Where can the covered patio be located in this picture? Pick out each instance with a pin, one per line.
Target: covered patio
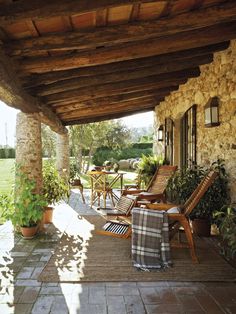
(72, 62)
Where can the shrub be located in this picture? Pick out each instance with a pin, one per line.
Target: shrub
(148, 166)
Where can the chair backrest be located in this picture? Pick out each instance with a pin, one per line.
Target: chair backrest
(198, 193)
(160, 179)
(124, 205)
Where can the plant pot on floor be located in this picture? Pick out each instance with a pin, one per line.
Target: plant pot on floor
(29, 232)
(48, 214)
(201, 227)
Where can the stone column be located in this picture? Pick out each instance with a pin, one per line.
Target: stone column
(29, 146)
(63, 155)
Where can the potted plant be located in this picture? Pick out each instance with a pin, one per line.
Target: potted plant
(185, 181)
(26, 210)
(54, 189)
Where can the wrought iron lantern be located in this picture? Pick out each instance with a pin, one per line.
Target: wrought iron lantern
(212, 112)
(160, 133)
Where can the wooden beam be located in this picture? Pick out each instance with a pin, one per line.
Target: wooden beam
(14, 96)
(157, 81)
(56, 76)
(105, 117)
(177, 42)
(113, 35)
(118, 108)
(37, 9)
(120, 76)
(72, 105)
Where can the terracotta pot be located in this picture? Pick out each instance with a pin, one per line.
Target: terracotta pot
(47, 214)
(29, 232)
(201, 227)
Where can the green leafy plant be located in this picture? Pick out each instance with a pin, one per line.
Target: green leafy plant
(148, 166)
(74, 172)
(6, 206)
(185, 181)
(226, 221)
(55, 187)
(28, 205)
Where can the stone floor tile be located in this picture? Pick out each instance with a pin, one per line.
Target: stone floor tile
(88, 309)
(80, 295)
(25, 273)
(194, 290)
(23, 308)
(59, 306)
(50, 284)
(35, 264)
(43, 305)
(190, 304)
(116, 305)
(36, 272)
(51, 290)
(121, 284)
(230, 309)
(7, 309)
(97, 295)
(134, 304)
(167, 295)
(28, 282)
(223, 295)
(165, 308)
(149, 295)
(153, 284)
(122, 290)
(29, 295)
(208, 304)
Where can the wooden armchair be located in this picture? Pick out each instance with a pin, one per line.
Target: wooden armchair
(123, 207)
(182, 219)
(156, 188)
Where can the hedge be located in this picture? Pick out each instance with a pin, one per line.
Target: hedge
(7, 153)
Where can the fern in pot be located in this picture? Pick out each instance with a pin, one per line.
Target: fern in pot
(55, 188)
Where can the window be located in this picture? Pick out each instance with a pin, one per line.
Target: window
(188, 137)
(169, 137)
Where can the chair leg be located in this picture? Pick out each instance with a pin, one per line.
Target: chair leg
(185, 224)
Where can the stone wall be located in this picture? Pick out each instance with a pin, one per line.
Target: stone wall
(29, 146)
(216, 79)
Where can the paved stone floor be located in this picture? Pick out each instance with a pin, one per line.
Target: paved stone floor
(22, 260)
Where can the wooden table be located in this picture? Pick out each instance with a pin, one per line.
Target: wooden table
(102, 183)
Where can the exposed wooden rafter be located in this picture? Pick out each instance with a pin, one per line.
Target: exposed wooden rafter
(177, 42)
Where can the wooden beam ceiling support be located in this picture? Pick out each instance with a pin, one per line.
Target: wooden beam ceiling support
(71, 84)
(113, 35)
(56, 76)
(72, 105)
(105, 117)
(177, 42)
(38, 9)
(103, 90)
(14, 96)
(149, 103)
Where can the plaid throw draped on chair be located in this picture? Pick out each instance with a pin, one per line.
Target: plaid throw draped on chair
(150, 239)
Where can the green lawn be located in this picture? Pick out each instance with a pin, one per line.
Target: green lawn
(6, 175)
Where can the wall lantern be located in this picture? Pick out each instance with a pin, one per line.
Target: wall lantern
(212, 112)
(160, 133)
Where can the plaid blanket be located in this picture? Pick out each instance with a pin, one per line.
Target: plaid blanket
(150, 239)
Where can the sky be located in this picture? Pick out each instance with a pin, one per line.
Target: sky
(8, 123)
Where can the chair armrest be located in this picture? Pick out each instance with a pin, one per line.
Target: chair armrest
(127, 192)
(150, 197)
(162, 206)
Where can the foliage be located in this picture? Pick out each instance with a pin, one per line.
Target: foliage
(6, 206)
(226, 220)
(104, 153)
(148, 166)
(54, 186)
(27, 208)
(48, 141)
(185, 181)
(74, 173)
(7, 152)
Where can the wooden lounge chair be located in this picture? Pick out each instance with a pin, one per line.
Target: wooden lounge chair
(182, 218)
(122, 208)
(117, 229)
(156, 188)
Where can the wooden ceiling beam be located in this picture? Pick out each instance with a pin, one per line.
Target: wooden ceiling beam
(113, 35)
(173, 43)
(120, 76)
(71, 105)
(56, 76)
(126, 106)
(13, 95)
(103, 90)
(106, 117)
(41, 9)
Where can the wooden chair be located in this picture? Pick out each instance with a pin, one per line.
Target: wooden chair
(122, 208)
(182, 218)
(156, 188)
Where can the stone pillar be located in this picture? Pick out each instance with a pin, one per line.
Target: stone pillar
(63, 155)
(29, 146)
